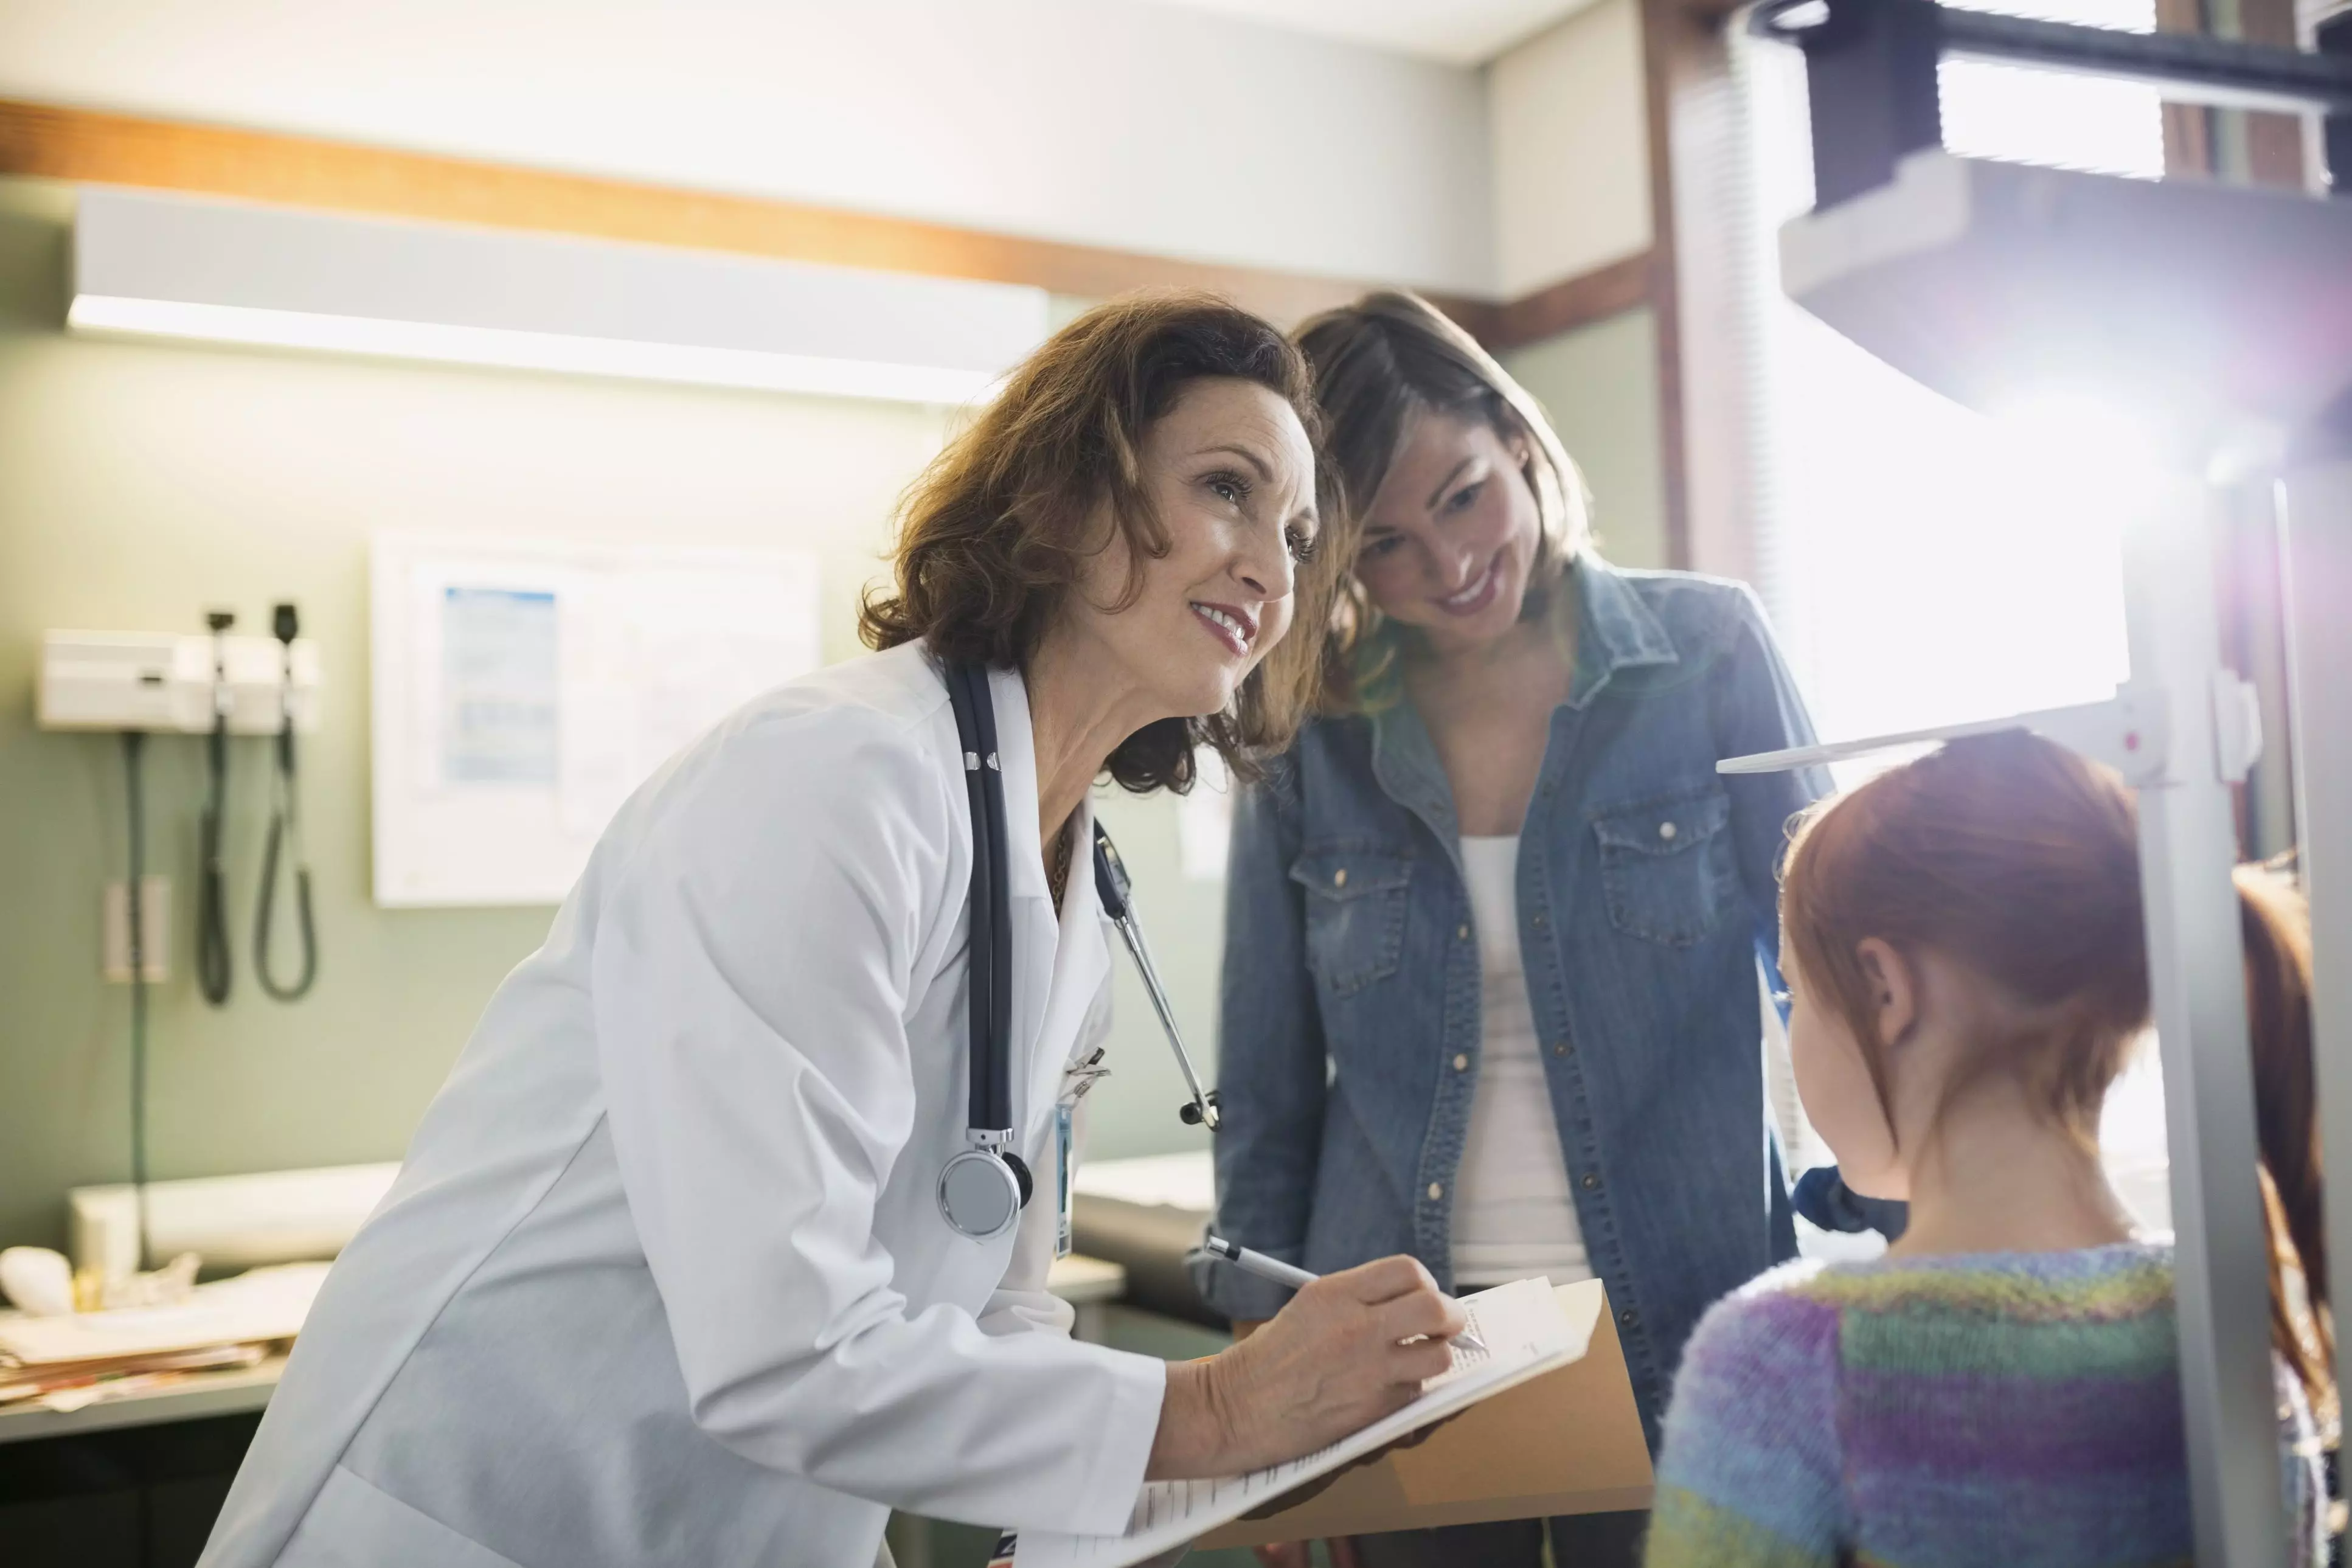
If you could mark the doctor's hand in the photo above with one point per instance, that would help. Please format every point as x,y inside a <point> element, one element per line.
<point>1348,1348</point>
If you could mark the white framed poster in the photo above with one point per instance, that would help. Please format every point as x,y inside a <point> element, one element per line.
<point>524,688</point>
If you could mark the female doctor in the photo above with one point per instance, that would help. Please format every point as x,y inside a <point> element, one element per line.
<point>668,1277</point>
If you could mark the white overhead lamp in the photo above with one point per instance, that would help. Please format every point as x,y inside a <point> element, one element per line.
<point>150,265</point>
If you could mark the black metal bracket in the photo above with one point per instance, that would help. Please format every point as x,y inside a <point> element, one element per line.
<point>1871,68</point>
<point>1870,72</point>
<point>2334,38</point>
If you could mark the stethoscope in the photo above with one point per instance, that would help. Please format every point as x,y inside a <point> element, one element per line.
<point>985,1184</point>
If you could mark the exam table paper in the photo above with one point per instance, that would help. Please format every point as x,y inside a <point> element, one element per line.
<point>1526,1332</point>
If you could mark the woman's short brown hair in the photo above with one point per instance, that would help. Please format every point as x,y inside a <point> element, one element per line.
<point>994,533</point>
<point>1378,364</point>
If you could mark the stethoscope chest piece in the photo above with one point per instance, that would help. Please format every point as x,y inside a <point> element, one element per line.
<point>981,1193</point>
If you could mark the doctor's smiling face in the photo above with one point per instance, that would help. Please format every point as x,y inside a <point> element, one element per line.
<point>1132,523</point>
<point>1229,476</point>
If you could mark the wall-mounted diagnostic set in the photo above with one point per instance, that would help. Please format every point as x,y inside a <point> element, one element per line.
<point>215,685</point>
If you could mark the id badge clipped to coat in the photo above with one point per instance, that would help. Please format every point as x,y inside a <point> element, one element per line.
<point>1075,1081</point>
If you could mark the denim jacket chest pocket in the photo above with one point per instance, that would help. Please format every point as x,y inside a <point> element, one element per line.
<point>1355,913</point>
<point>1666,866</point>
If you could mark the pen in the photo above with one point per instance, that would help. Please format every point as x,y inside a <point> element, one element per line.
<point>1281,1273</point>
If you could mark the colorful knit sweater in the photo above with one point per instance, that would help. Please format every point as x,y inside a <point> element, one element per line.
<point>2014,1409</point>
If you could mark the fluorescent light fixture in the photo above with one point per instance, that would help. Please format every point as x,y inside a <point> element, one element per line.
<point>173,266</point>
<point>112,316</point>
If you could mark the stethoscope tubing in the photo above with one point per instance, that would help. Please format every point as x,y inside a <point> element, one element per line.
<point>988,1132</point>
<point>991,951</point>
<point>1116,891</point>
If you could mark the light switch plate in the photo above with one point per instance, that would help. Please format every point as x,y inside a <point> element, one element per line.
<point>155,930</point>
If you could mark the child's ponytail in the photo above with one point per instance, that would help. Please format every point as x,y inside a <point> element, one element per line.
<point>2278,1018</point>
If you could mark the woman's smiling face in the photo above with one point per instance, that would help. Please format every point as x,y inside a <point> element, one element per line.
<point>1231,475</point>
<point>1450,540</point>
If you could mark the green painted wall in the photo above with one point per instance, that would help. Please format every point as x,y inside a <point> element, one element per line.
<point>140,485</point>
<point>1601,385</point>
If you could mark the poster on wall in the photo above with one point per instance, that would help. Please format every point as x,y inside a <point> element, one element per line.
<point>524,689</point>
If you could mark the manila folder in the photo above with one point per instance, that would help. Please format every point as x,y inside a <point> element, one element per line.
<point>1568,1441</point>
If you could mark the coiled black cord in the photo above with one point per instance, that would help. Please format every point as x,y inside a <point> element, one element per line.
<point>285,829</point>
<point>212,881</point>
<point>133,744</point>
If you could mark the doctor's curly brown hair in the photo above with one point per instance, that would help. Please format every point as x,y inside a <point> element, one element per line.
<point>994,533</point>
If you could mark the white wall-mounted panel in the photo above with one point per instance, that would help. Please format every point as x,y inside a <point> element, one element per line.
<point>166,681</point>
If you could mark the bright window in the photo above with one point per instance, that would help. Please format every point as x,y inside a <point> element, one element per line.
<point>1924,563</point>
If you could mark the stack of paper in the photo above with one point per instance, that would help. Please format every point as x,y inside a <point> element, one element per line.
<point>77,1357</point>
<point>1526,1333</point>
<point>71,1385</point>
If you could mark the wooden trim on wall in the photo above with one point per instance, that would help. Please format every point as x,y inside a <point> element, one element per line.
<point>83,146</point>
<point>1577,301</point>
<point>61,143</point>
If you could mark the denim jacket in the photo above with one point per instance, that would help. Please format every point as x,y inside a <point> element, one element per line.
<point>1646,895</point>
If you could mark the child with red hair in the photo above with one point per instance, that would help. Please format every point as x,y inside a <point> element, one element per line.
<point>1963,944</point>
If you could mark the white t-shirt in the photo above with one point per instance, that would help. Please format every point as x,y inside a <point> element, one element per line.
<point>1513,1215</point>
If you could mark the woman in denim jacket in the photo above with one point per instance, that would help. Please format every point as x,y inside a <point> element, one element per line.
<point>1490,989</point>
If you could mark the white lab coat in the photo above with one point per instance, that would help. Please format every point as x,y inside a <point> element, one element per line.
<point>664,1278</point>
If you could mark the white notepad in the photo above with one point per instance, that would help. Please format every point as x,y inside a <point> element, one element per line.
<point>1526,1331</point>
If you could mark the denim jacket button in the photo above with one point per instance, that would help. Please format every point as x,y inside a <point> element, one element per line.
<point>1538,923</point>
<point>1339,878</point>
<point>1629,1317</point>
<point>1667,831</point>
<point>1462,931</point>
<point>1436,1191</point>
<point>1592,1180</point>
<point>1461,1062</point>
<point>1561,1047</point>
